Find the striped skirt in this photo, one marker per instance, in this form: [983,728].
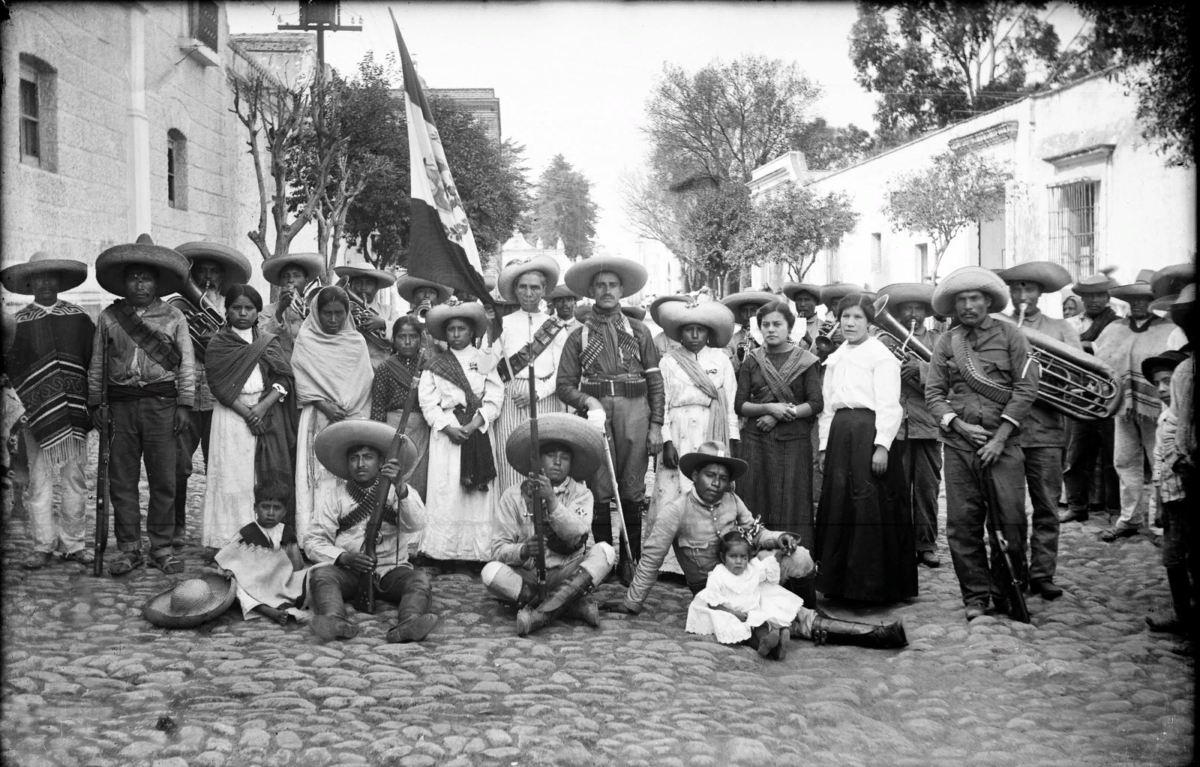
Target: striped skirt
[510,418]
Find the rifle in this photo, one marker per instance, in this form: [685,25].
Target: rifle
[1017,609]
[102,462]
[537,508]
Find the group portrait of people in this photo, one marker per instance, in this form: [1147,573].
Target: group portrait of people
[351,450]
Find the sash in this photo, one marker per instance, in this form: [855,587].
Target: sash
[973,373]
[779,380]
[542,338]
[477,467]
[230,361]
[365,498]
[718,424]
[595,344]
[157,345]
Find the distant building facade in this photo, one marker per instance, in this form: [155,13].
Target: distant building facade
[480,102]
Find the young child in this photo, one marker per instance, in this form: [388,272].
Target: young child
[265,558]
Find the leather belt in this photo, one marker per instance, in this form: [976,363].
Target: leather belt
[632,389]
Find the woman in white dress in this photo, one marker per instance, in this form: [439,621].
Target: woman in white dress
[333,383]
[460,395]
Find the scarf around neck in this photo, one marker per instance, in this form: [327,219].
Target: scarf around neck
[780,379]
[1099,323]
[596,324]
[718,422]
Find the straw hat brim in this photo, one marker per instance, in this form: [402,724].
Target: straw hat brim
[334,440]
[969,278]
[472,312]
[312,264]
[507,279]
[584,439]
[171,266]
[657,304]
[18,277]
[692,461]
[579,277]
[907,292]
[738,300]
[713,315]
[157,608]
[408,284]
[1049,275]
[386,279]
[793,289]
[1170,279]
[237,267]
[1097,283]
[561,291]
[831,294]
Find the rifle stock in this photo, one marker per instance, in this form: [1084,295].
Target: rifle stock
[1017,609]
[105,433]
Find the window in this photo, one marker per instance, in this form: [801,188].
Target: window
[204,22]
[1073,226]
[37,102]
[176,170]
[877,252]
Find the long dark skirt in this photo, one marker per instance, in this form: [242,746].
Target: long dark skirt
[865,540]
[778,484]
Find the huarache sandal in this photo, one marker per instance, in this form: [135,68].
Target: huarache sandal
[81,556]
[1108,536]
[168,564]
[125,562]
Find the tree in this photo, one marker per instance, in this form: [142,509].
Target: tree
[564,209]
[715,223]
[790,225]
[654,212]
[942,199]
[831,147]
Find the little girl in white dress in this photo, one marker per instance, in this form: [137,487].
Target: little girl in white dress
[743,601]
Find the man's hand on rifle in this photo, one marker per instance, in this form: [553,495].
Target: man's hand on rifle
[531,549]
[356,561]
[391,470]
[538,485]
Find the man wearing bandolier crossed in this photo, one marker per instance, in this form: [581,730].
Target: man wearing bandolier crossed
[609,367]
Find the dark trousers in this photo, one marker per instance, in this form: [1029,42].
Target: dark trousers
[629,426]
[143,430]
[406,587]
[966,510]
[1043,475]
[1088,469]
[925,470]
[195,435]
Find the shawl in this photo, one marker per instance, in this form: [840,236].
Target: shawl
[157,345]
[264,572]
[1124,346]
[231,360]
[393,380]
[48,367]
[596,323]
[332,366]
[1099,323]
[718,425]
[476,466]
[780,379]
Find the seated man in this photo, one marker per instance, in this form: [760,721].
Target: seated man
[571,452]
[694,524]
[353,450]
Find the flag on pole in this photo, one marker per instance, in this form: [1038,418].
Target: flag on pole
[441,246]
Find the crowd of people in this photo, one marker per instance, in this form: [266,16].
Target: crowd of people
[791,457]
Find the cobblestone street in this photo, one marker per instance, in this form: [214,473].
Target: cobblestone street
[87,681]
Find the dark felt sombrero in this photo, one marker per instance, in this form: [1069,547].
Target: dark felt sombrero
[757,298]
[907,292]
[191,601]
[237,267]
[172,267]
[471,311]
[656,305]
[408,284]
[18,277]
[793,289]
[713,315]
[712,452]
[507,280]
[1139,288]
[1184,299]
[312,264]
[1096,283]
[336,439]
[385,278]
[1168,360]
[969,278]
[1048,274]
[584,439]
[579,277]
[1170,279]
[561,291]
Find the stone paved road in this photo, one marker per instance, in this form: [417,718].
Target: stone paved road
[87,682]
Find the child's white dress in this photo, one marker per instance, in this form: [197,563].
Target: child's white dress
[755,592]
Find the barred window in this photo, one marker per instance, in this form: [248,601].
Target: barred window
[36,105]
[1073,226]
[205,19]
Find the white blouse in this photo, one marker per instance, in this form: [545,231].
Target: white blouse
[519,329]
[254,382]
[681,392]
[866,376]
[439,397]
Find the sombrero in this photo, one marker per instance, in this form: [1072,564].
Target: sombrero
[471,311]
[192,601]
[171,266]
[18,277]
[907,292]
[584,439]
[579,277]
[831,294]
[633,312]
[712,452]
[386,279]
[656,305]
[756,297]
[334,440]
[1184,299]
[1096,283]
[237,267]
[408,284]
[1048,274]
[1170,279]
[715,316]
[1139,288]
[969,278]
[507,280]
[793,289]
[561,291]
[312,264]
[1168,360]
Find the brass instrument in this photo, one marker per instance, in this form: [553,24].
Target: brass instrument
[823,344]
[421,309]
[290,298]
[907,346]
[360,312]
[203,318]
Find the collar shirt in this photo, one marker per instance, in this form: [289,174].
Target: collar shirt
[1046,427]
[513,524]
[128,365]
[518,329]
[325,543]
[274,535]
[919,423]
[863,376]
[1002,353]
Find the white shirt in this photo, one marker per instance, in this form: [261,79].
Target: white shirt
[439,397]
[254,382]
[866,376]
[323,542]
[518,329]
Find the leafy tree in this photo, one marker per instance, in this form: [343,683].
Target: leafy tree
[944,198]
[564,208]
[790,225]
[831,147]
[715,223]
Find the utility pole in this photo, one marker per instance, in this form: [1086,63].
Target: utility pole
[321,16]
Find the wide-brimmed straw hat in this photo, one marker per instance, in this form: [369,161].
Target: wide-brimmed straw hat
[237,267]
[561,291]
[1170,279]
[1139,288]
[793,289]
[579,277]
[969,278]
[407,285]
[831,294]
[657,304]
[385,278]
[18,277]
[332,444]
[584,439]
[312,264]
[1168,360]
[1048,274]
[715,316]
[471,311]
[1096,283]
[736,301]
[712,452]
[171,266]
[907,292]
[507,280]
[191,601]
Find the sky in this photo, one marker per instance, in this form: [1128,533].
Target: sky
[573,78]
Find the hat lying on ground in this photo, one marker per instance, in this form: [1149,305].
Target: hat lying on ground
[970,278]
[1048,274]
[237,267]
[312,264]
[712,452]
[171,266]
[584,439]
[440,315]
[713,315]
[506,282]
[18,278]
[334,440]
[192,601]
[579,277]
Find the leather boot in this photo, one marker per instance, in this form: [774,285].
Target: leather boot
[574,587]
[1181,597]
[585,610]
[412,613]
[806,589]
[329,621]
[826,630]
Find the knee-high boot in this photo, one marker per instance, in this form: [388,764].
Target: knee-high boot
[1181,597]
[329,621]
[806,589]
[415,620]
[571,589]
[602,522]
[826,630]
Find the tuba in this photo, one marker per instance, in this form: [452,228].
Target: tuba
[203,319]
[907,346]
